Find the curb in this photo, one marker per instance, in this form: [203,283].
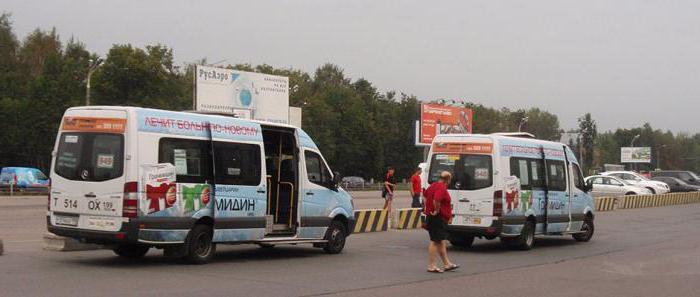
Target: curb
[53,242]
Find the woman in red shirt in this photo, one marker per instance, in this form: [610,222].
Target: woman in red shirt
[438,211]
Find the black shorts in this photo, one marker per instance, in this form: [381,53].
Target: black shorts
[437,228]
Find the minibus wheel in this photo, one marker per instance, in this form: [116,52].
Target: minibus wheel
[200,248]
[132,251]
[336,238]
[588,227]
[524,241]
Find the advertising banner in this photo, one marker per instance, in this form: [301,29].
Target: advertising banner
[441,119]
[158,186]
[635,154]
[246,94]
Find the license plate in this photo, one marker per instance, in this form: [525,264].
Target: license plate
[67,221]
[472,220]
[101,223]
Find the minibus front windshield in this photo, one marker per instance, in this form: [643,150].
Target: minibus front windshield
[94,157]
[469,171]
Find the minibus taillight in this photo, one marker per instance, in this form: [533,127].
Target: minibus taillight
[131,200]
[498,203]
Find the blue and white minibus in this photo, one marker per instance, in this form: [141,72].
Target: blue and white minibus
[135,178]
[511,186]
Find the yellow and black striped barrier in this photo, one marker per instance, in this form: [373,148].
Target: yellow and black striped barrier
[371,220]
[641,201]
[605,203]
[407,218]
[377,220]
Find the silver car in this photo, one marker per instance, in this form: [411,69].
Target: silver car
[610,186]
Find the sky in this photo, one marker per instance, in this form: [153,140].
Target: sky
[625,62]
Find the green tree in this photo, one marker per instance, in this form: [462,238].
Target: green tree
[588,132]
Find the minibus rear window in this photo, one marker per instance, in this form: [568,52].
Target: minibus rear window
[90,156]
[469,172]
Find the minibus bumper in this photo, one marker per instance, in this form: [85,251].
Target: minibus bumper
[489,232]
[127,234]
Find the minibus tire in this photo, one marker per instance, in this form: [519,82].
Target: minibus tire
[131,251]
[200,248]
[462,241]
[525,241]
[590,229]
[335,235]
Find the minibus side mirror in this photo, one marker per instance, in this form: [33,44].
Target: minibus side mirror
[589,186]
[336,180]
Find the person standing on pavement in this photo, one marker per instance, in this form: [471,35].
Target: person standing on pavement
[388,191]
[438,211]
[415,188]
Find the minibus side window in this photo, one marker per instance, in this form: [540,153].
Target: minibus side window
[557,175]
[578,177]
[529,171]
[521,168]
[237,163]
[316,170]
[190,158]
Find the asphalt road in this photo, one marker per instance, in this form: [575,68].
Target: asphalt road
[644,252]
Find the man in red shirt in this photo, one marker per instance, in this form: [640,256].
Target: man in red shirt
[438,211]
[415,188]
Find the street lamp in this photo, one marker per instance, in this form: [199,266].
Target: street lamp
[634,139]
[523,121]
[634,165]
[94,63]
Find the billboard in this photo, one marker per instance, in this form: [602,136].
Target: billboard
[246,94]
[635,154]
[442,119]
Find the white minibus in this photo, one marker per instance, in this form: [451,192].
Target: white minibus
[511,186]
[134,178]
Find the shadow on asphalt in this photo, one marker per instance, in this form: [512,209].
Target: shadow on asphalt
[224,254]
[495,247]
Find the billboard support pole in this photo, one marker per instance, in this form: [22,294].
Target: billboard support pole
[194,88]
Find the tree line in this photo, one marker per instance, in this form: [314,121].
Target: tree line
[360,129]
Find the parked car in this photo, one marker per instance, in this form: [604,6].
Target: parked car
[23,179]
[677,185]
[353,182]
[686,176]
[611,186]
[656,187]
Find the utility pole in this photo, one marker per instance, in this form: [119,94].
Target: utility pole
[94,63]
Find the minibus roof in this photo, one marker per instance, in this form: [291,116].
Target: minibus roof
[494,137]
[221,115]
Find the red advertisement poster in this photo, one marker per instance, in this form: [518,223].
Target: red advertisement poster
[441,119]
